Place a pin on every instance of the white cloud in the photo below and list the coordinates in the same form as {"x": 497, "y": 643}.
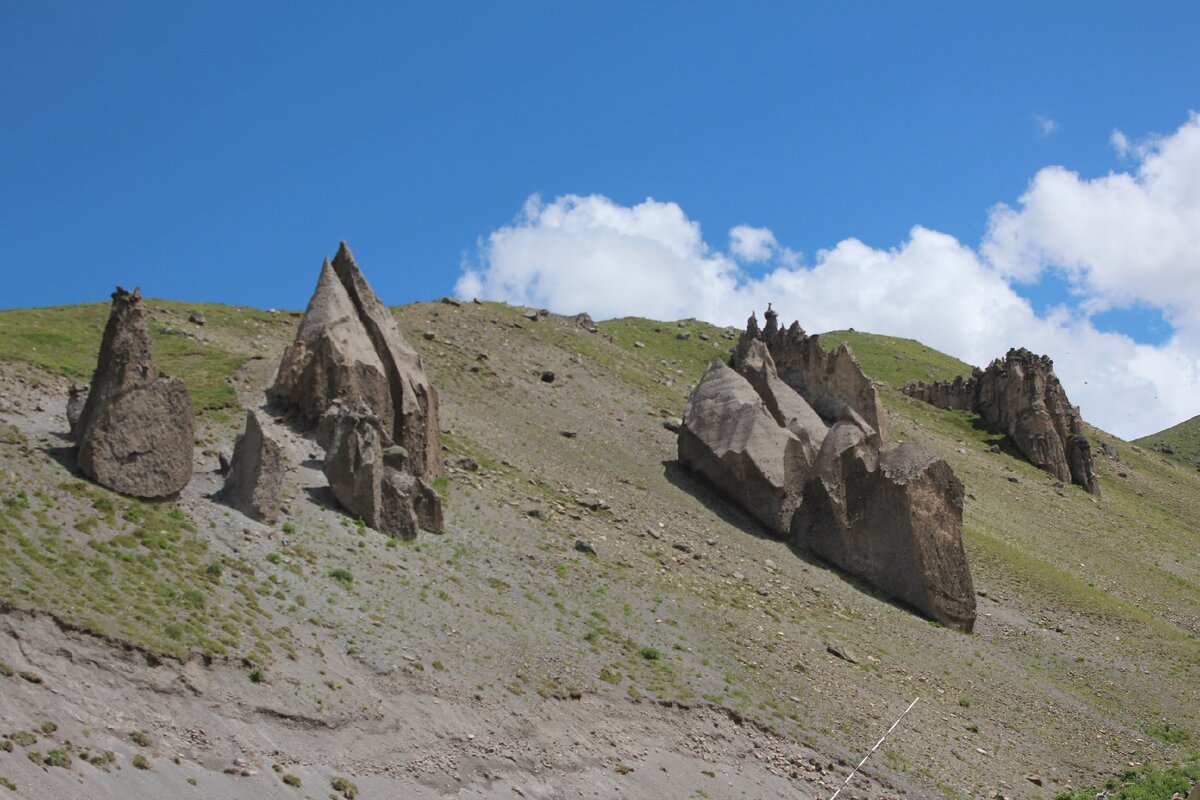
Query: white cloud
{"x": 1120, "y": 142}
{"x": 1045, "y": 125}
{"x": 752, "y": 244}
{"x": 1120, "y": 238}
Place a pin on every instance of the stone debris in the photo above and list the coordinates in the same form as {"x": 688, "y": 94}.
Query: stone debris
{"x": 135, "y": 427}
{"x": 1021, "y": 396}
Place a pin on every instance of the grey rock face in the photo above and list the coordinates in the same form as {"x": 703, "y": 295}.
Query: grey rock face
{"x": 254, "y": 484}
{"x": 826, "y": 380}
{"x": 730, "y": 438}
{"x": 135, "y": 428}
{"x": 354, "y": 464}
{"x": 76, "y": 400}
{"x": 893, "y": 518}
{"x": 357, "y": 466}
{"x": 1021, "y": 396}
{"x": 349, "y": 349}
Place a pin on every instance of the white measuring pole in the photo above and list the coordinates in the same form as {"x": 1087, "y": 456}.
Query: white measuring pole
{"x": 872, "y": 750}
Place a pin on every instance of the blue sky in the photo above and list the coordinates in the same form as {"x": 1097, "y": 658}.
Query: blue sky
{"x": 217, "y": 151}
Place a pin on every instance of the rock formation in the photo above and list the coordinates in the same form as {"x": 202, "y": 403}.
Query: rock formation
{"x": 893, "y": 518}
{"x": 827, "y": 380}
{"x": 135, "y": 428}
{"x": 349, "y": 349}
{"x": 1022, "y": 397}
{"x": 254, "y": 484}
{"x": 363, "y": 478}
{"x": 730, "y": 438}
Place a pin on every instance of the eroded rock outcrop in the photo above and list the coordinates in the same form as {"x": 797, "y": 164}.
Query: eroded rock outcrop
{"x": 358, "y": 468}
{"x": 135, "y": 427}
{"x": 1021, "y": 396}
{"x": 827, "y": 380}
{"x": 730, "y": 438}
{"x": 350, "y": 350}
{"x": 892, "y": 518}
{"x": 254, "y": 483}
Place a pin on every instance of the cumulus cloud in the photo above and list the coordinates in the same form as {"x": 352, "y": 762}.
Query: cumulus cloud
{"x": 1119, "y": 239}
{"x": 752, "y": 244}
{"x": 1123, "y": 238}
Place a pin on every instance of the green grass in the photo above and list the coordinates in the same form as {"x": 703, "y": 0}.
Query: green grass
{"x": 65, "y": 340}
{"x": 1145, "y": 784}
{"x": 149, "y": 583}
{"x": 896, "y": 360}
{"x": 1183, "y": 439}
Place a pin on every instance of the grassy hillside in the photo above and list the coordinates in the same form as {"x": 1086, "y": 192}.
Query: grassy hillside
{"x": 1182, "y": 441}
{"x": 1086, "y": 657}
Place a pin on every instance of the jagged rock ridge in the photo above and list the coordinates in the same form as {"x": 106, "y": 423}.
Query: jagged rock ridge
{"x": 827, "y": 380}
{"x": 1021, "y": 396}
{"x": 893, "y": 518}
{"x": 135, "y": 428}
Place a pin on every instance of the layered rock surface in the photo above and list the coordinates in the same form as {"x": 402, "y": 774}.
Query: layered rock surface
{"x": 135, "y": 428}
{"x": 892, "y": 518}
{"x": 350, "y": 350}
{"x": 254, "y": 484}
{"x": 1021, "y": 396}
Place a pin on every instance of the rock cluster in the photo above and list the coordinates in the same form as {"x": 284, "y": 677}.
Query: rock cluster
{"x": 349, "y": 350}
{"x": 352, "y": 375}
{"x": 827, "y": 380}
{"x": 761, "y": 435}
{"x": 134, "y": 429}
{"x": 254, "y": 483}
{"x": 1021, "y": 396}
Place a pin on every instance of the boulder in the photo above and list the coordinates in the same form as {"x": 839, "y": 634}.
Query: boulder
{"x": 408, "y": 505}
{"x": 349, "y": 349}
{"x": 135, "y": 427}
{"x": 1021, "y": 396}
{"x": 254, "y": 483}
{"x": 730, "y": 438}
{"x": 354, "y": 464}
{"x": 363, "y": 480}
{"x": 892, "y": 518}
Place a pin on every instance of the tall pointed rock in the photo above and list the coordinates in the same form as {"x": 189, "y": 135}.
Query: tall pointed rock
{"x": 350, "y": 351}
{"x": 135, "y": 429}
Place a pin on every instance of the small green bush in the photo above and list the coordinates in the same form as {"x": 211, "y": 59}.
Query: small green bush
{"x": 58, "y": 757}
{"x": 140, "y": 738}
{"x": 256, "y": 675}
{"x": 343, "y": 785}
{"x": 291, "y": 780}
{"x": 342, "y": 576}
{"x": 49, "y": 727}
{"x": 24, "y": 738}
{"x": 141, "y": 762}
{"x": 650, "y": 654}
